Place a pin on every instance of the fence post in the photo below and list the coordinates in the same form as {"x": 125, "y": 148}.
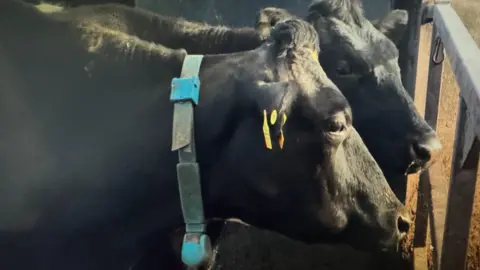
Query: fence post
{"x": 454, "y": 219}
{"x": 409, "y": 44}
{"x": 432, "y": 191}
{"x": 460, "y": 196}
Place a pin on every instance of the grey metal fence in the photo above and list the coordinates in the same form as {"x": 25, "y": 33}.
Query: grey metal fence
{"x": 451, "y": 205}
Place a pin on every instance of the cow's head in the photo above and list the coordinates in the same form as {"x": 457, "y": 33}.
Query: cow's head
{"x": 361, "y": 58}
{"x": 323, "y": 185}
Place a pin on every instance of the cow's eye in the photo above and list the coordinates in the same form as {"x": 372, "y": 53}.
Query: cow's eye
{"x": 343, "y": 68}
{"x": 335, "y": 126}
{"x": 366, "y": 76}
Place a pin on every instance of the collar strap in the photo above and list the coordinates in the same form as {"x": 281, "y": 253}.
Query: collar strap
{"x": 196, "y": 247}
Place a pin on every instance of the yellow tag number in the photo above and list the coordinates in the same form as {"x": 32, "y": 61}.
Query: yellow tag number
{"x": 266, "y": 131}
{"x": 281, "y": 140}
{"x": 315, "y": 55}
{"x": 273, "y": 117}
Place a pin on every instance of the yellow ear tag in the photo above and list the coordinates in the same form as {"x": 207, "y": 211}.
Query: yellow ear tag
{"x": 281, "y": 140}
{"x": 315, "y": 55}
{"x": 273, "y": 117}
{"x": 266, "y": 131}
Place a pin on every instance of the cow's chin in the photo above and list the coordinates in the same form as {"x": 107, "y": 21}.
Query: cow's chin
{"x": 394, "y": 160}
{"x": 401, "y": 168}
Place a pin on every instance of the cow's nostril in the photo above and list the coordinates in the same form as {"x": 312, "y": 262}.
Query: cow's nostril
{"x": 426, "y": 150}
{"x": 422, "y": 152}
{"x": 403, "y": 224}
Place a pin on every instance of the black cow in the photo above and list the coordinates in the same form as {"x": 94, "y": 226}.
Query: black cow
{"x": 361, "y": 58}
{"x": 87, "y": 172}
{"x": 406, "y": 128}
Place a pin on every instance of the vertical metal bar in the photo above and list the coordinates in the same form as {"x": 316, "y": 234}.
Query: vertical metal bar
{"x": 409, "y": 44}
{"x": 460, "y": 196}
{"x": 428, "y": 194}
{"x": 435, "y": 69}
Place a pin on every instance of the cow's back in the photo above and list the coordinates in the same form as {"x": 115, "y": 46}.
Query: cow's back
{"x": 84, "y": 143}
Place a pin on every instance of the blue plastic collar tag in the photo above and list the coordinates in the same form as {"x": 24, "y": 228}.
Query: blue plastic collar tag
{"x": 196, "y": 249}
{"x": 185, "y": 89}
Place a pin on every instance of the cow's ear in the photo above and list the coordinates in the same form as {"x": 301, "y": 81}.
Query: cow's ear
{"x": 268, "y": 17}
{"x": 281, "y": 35}
{"x": 273, "y": 102}
{"x": 393, "y": 24}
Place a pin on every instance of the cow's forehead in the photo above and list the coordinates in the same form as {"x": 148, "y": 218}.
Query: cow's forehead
{"x": 363, "y": 40}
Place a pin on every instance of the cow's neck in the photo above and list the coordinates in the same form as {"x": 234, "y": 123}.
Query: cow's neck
{"x": 218, "y": 124}
{"x": 200, "y": 38}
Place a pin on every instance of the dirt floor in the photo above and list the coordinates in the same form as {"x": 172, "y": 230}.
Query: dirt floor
{"x": 265, "y": 250}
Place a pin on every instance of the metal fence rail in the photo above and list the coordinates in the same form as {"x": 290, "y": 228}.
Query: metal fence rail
{"x": 451, "y": 205}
